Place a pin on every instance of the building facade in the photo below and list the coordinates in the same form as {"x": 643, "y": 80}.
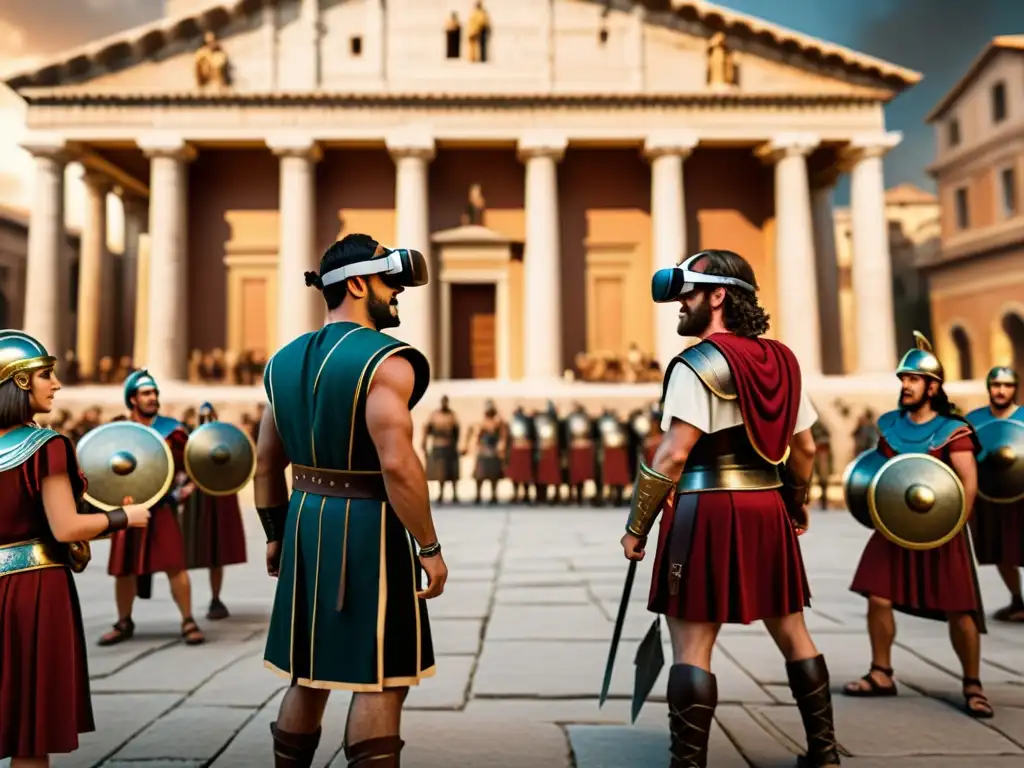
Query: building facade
{"x": 977, "y": 276}
{"x": 547, "y": 154}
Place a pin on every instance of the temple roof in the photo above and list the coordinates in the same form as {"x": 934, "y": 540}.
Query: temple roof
{"x": 909, "y": 194}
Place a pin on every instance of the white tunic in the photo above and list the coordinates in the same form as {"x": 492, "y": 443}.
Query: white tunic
{"x": 687, "y": 399}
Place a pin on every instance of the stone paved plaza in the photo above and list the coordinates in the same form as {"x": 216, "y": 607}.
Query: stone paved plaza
{"x": 522, "y": 634}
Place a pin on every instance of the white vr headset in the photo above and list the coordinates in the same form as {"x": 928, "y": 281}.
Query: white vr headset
{"x": 672, "y": 282}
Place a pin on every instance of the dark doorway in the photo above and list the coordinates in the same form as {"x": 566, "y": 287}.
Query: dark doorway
{"x": 1013, "y": 327}
{"x": 473, "y": 331}
{"x": 963, "y": 352}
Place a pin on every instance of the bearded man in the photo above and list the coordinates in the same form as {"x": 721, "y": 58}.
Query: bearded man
{"x": 727, "y": 552}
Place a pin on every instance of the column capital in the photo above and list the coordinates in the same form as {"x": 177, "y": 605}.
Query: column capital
{"x": 868, "y": 146}
{"x": 295, "y": 145}
{"x": 133, "y": 204}
{"x": 98, "y": 182}
{"x": 787, "y": 145}
{"x": 411, "y": 141}
{"x": 48, "y": 145}
{"x": 542, "y": 144}
{"x": 661, "y": 143}
{"x": 826, "y": 178}
{"x": 166, "y": 145}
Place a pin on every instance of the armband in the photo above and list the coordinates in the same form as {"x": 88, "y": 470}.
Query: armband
{"x": 273, "y": 519}
{"x": 649, "y": 492}
{"x": 117, "y": 520}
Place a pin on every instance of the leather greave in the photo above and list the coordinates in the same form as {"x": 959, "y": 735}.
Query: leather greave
{"x": 808, "y": 680}
{"x": 294, "y": 750}
{"x": 692, "y": 698}
{"x": 383, "y": 752}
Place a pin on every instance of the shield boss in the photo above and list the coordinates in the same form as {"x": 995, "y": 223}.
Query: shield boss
{"x": 220, "y": 458}
{"x": 125, "y": 458}
{"x": 917, "y": 501}
{"x": 1001, "y": 463}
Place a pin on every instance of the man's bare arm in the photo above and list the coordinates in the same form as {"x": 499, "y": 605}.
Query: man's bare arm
{"x": 670, "y": 458}
{"x": 802, "y": 450}
{"x": 966, "y": 468}
{"x": 270, "y": 487}
{"x": 389, "y": 423}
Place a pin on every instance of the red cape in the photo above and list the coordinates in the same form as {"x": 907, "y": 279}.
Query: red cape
{"x": 767, "y": 378}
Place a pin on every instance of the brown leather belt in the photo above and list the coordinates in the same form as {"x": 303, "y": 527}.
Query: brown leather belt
{"x": 339, "y": 483}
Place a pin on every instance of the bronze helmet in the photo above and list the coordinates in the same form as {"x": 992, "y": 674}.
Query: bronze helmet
{"x": 1002, "y": 374}
{"x": 921, "y": 360}
{"x": 20, "y": 354}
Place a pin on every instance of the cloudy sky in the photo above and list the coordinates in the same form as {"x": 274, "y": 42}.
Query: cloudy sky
{"x": 936, "y": 37}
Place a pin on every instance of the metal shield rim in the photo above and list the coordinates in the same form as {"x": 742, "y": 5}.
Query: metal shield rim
{"x": 160, "y": 439}
{"x": 248, "y": 479}
{"x": 1012, "y": 499}
{"x": 844, "y": 481}
{"x": 884, "y": 530}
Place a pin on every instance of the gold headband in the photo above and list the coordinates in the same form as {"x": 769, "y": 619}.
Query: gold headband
{"x": 21, "y": 370}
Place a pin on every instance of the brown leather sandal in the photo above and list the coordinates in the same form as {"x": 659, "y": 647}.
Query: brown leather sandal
{"x": 874, "y": 689}
{"x": 972, "y": 698}
{"x": 191, "y": 633}
{"x": 123, "y": 630}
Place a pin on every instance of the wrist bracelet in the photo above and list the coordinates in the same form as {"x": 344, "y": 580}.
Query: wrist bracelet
{"x": 430, "y": 550}
{"x": 117, "y": 520}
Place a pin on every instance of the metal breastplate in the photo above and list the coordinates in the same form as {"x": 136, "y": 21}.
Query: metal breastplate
{"x": 547, "y": 432}
{"x": 726, "y": 461}
{"x": 612, "y": 434}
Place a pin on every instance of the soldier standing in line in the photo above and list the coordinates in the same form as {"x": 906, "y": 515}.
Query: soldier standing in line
{"x": 548, "y": 452}
{"x": 582, "y": 453}
{"x": 442, "y": 432}
{"x": 520, "y": 455}
{"x": 613, "y": 453}
{"x": 491, "y": 438}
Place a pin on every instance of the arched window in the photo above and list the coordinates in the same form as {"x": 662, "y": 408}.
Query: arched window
{"x": 1013, "y": 327}
{"x": 963, "y": 353}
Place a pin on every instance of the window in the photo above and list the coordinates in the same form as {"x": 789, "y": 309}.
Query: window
{"x": 453, "y": 37}
{"x": 954, "y": 132}
{"x": 355, "y": 45}
{"x": 998, "y": 102}
{"x": 962, "y": 211}
{"x": 1008, "y": 191}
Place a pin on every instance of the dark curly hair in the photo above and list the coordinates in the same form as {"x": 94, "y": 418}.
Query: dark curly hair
{"x": 742, "y": 313}
{"x": 349, "y": 250}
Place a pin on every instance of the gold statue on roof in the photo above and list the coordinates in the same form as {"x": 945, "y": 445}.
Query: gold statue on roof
{"x": 211, "y": 64}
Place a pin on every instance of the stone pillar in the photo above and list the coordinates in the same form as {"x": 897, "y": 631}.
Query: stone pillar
{"x": 542, "y": 289}
{"x": 668, "y": 228}
{"x": 135, "y": 224}
{"x": 871, "y": 267}
{"x": 94, "y": 271}
{"x": 828, "y": 276}
{"x": 794, "y": 249}
{"x": 412, "y": 151}
{"x": 300, "y": 309}
{"x": 167, "y": 321}
{"x": 140, "y": 346}
{"x": 309, "y": 13}
{"x": 46, "y": 272}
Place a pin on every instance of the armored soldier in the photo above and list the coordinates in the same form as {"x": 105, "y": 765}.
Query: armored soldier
{"x": 998, "y": 519}
{"x": 547, "y": 453}
{"x": 614, "y": 456}
{"x": 520, "y": 455}
{"x": 582, "y": 453}
{"x": 135, "y": 555}
{"x": 442, "y": 432}
{"x": 727, "y": 551}
{"x": 822, "y": 459}
{"x": 348, "y": 576}
{"x": 896, "y": 572}
{"x": 491, "y": 437}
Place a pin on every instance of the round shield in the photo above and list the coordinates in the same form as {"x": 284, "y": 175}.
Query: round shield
{"x": 519, "y": 428}
{"x": 220, "y": 458}
{"x": 856, "y": 480}
{"x": 642, "y": 425}
{"x": 545, "y": 430}
{"x": 1001, "y": 463}
{"x": 611, "y": 432}
{"x": 125, "y": 458}
{"x": 579, "y": 426}
{"x": 917, "y": 501}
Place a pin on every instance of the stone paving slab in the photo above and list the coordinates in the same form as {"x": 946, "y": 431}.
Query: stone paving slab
{"x": 190, "y": 732}
{"x": 609, "y": 747}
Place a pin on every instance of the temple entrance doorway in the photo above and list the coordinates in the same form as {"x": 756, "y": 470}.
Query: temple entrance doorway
{"x": 473, "y": 331}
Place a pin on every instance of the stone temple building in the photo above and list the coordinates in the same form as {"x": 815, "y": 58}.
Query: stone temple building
{"x": 547, "y": 154}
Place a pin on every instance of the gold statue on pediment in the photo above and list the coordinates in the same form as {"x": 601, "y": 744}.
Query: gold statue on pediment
{"x": 721, "y": 62}
{"x": 211, "y": 64}
{"x": 476, "y": 206}
{"x": 478, "y": 32}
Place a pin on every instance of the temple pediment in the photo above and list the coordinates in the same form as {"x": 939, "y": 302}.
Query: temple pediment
{"x": 464, "y": 49}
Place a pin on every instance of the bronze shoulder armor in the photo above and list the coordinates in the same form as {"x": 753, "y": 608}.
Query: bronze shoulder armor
{"x": 710, "y": 365}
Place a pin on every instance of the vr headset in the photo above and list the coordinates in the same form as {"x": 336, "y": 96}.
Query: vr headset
{"x": 674, "y": 282}
{"x": 398, "y": 268}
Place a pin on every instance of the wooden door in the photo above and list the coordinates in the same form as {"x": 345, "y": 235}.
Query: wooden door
{"x": 474, "y": 348}
{"x": 609, "y": 295}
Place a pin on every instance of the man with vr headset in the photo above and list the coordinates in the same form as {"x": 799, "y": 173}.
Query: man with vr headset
{"x": 350, "y": 544}
{"x": 738, "y": 451}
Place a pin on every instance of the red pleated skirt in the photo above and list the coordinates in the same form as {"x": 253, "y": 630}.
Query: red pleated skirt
{"x": 998, "y": 532}
{"x": 44, "y": 674}
{"x": 616, "y": 467}
{"x": 744, "y": 562}
{"x": 549, "y": 468}
{"x": 581, "y": 464}
{"x": 520, "y": 465}
{"x": 926, "y": 583}
{"x": 158, "y": 548}
{"x": 219, "y": 536}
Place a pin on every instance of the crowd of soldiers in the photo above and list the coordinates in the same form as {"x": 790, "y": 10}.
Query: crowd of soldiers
{"x": 215, "y": 366}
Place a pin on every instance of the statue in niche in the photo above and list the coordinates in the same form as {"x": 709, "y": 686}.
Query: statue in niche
{"x": 476, "y": 206}
{"x": 721, "y": 62}
{"x": 453, "y": 37}
{"x": 479, "y": 33}
{"x": 211, "y": 64}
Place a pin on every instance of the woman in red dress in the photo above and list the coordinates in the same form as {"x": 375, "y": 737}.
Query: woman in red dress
{"x": 44, "y": 679}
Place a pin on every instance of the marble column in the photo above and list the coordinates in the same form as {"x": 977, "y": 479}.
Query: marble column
{"x": 300, "y": 309}
{"x": 667, "y": 152}
{"x": 95, "y": 269}
{"x": 871, "y": 266}
{"x": 542, "y": 288}
{"x": 167, "y": 321}
{"x": 135, "y": 214}
{"x": 140, "y": 346}
{"x": 46, "y": 286}
{"x": 412, "y": 151}
{"x": 797, "y": 300}
{"x": 828, "y": 275}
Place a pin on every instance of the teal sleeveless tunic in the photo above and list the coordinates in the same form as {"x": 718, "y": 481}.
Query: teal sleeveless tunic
{"x": 317, "y": 387}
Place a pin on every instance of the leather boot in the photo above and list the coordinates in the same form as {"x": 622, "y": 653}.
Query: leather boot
{"x": 294, "y": 750}
{"x": 383, "y": 752}
{"x": 808, "y": 680}
{"x": 692, "y": 698}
